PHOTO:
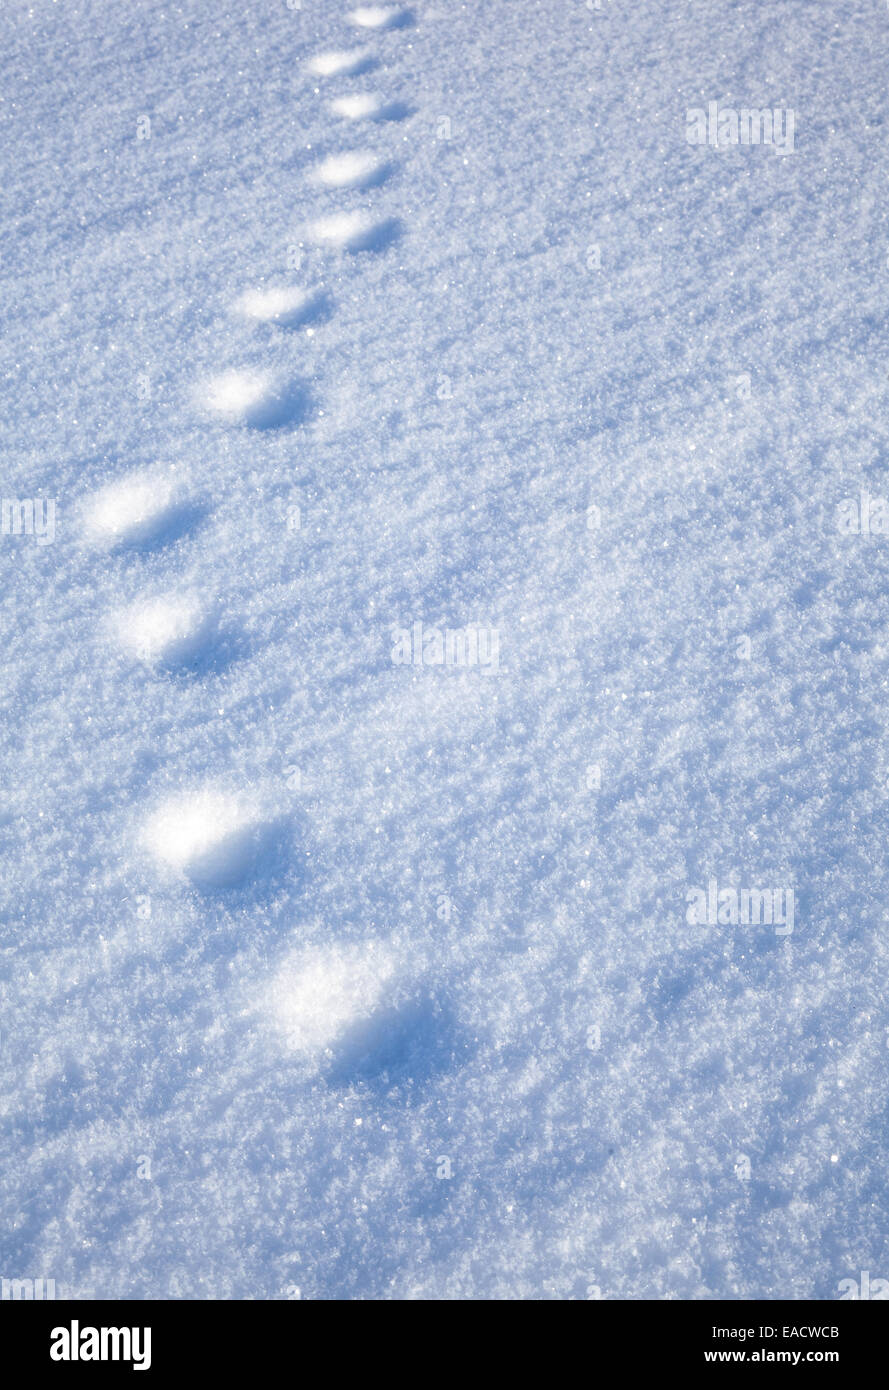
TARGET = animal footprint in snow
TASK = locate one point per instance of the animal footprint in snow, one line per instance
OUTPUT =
(166, 630)
(262, 400)
(379, 17)
(320, 994)
(141, 509)
(341, 64)
(367, 106)
(354, 169)
(209, 837)
(351, 1013)
(356, 231)
(287, 307)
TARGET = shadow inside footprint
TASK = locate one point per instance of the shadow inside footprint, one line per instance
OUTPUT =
(244, 858)
(286, 308)
(392, 111)
(215, 651)
(409, 1042)
(316, 308)
(261, 400)
(288, 405)
(373, 177)
(376, 237)
(165, 528)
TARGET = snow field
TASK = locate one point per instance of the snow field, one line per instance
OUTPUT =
(566, 301)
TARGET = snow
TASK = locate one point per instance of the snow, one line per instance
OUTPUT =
(317, 998)
(377, 977)
(355, 231)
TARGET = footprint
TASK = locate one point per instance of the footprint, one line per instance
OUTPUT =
(143, 509)
(165, 631)
(379, 17)
(350, 1014)
(209, 837)
(288, 307)
(347, 63)
(321, 994)
(356, 231)
(262, 400)
(354, 169)
(366, 106)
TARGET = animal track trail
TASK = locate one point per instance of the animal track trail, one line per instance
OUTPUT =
(207, 837)
(358, 230)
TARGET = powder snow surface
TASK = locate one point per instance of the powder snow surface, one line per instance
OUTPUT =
(328, 972)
